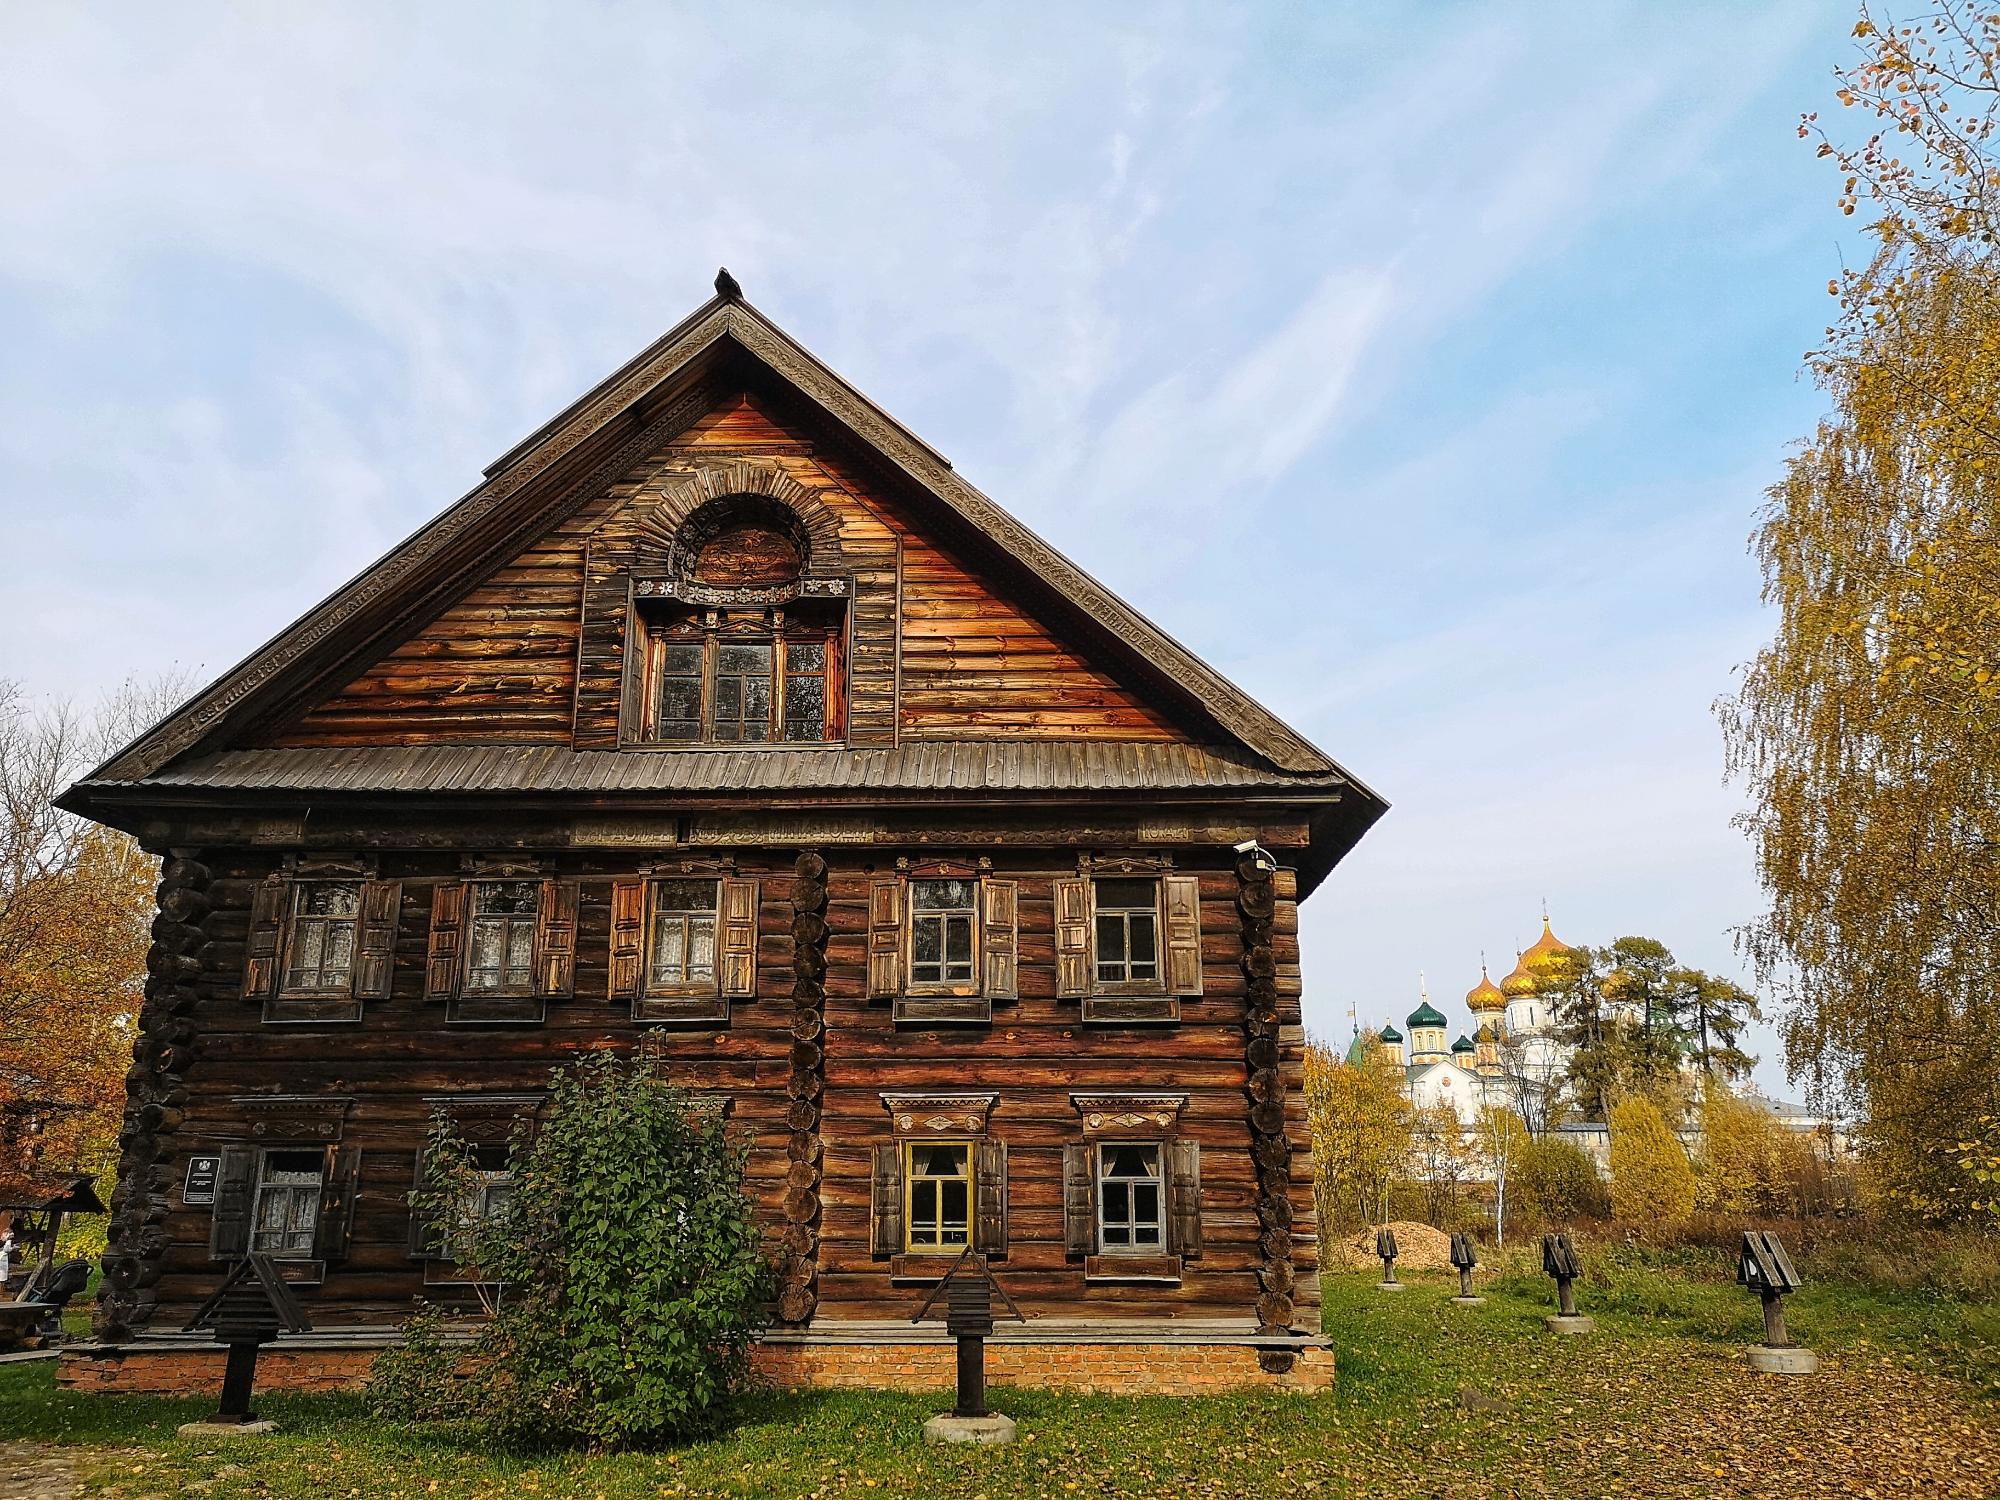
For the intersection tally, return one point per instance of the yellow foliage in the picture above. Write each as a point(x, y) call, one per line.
point(1652, 1181)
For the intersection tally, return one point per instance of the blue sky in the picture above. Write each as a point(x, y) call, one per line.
point(1420, 366)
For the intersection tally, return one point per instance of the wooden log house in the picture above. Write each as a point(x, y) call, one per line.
point(725, 714)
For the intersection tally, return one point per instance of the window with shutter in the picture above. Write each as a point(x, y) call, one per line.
point(885, 939)
point(1132, 1188)
point(555, 940)
point(684, 954)
point(335, 947)
point(1144, 946)
point(951, 946)
point(989, 1228)
point(268, 905)
point(235, 1186)
point(885, 1199)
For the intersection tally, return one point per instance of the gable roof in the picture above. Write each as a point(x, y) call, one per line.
point(597, 432)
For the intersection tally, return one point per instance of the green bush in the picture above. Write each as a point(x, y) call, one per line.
point(626, 1273)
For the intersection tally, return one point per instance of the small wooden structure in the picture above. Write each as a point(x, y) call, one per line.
point(968, 1289)
point(250, 1309)
point(1765, 1268)
point(1463, 1258)
point(38, 1211)
point(1385, 1248)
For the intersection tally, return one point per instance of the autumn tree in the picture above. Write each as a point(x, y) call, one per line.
point(1503, 1141)
point(1440, 1159)
point(1867, 732)
point(1749, 1163)
point(75, 906)
point(1652, 1181)
point(1360, 1124)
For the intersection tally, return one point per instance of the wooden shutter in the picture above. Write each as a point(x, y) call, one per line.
point(337, 1193)
point(443, 963)
point(555, 939)
point(229, 1230)
point(268, 905)
point(1079, 1211)
point(885, 1199)
point(628, 938)
point(423, 1239)
point(1002, 936)
point(375, 938)
point(737, 951)
point(989, 1189)
point(1181, 896)
point(885, 939)
point(1072, 938)
point(1184, 1198)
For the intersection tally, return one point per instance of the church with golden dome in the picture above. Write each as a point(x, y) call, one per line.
point(1511, 1056)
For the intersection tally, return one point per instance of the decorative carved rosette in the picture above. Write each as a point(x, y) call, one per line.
point(798, 1291)
point(155, 1098)
point(1270, 1144)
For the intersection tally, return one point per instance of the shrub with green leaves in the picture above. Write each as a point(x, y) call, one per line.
point(624, 1272)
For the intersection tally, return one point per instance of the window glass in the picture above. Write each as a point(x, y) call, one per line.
point(940, 1195)
point(680, 949)
point(677, 709)
point(740, 676)
point(805, 690)
point(743, 690)
point(285, 1216)
point(321, 953)
point(1131, 1207)
point(1128, 931)
point(502, 947)
point(942, 913)
point(492, 1185)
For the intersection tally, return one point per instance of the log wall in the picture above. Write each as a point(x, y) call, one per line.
point(1035, 1051)
point(534, 653)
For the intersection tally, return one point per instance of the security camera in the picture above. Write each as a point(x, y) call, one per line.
point(1259, 855)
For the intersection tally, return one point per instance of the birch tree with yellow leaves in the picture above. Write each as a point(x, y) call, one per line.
point(1867, 732)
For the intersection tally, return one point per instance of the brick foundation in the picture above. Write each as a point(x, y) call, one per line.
point(140, 1370)
point(1182, 1367)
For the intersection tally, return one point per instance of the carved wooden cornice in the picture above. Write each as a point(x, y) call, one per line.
point(939, 1114)
point(1126, 1110)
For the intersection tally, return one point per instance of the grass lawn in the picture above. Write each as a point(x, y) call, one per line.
point(1658, 1402)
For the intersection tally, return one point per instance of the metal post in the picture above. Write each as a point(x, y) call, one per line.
point(1774, 1320)
point(971, 1377)
point(239, 1376)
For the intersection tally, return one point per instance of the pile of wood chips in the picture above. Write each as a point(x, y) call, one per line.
point(1418, 1248)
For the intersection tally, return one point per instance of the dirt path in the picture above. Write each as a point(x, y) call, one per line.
point(32, 1471)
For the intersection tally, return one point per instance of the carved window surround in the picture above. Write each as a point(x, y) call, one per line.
point(939, 1114)
point(1088, 864)
point(293, 1117)
point(1126, 1114)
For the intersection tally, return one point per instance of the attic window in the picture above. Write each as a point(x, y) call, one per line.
point(743, 676)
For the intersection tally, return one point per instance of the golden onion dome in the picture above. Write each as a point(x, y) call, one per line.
point(1546, 951)
point(1485, 995)
point(1520, 982)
